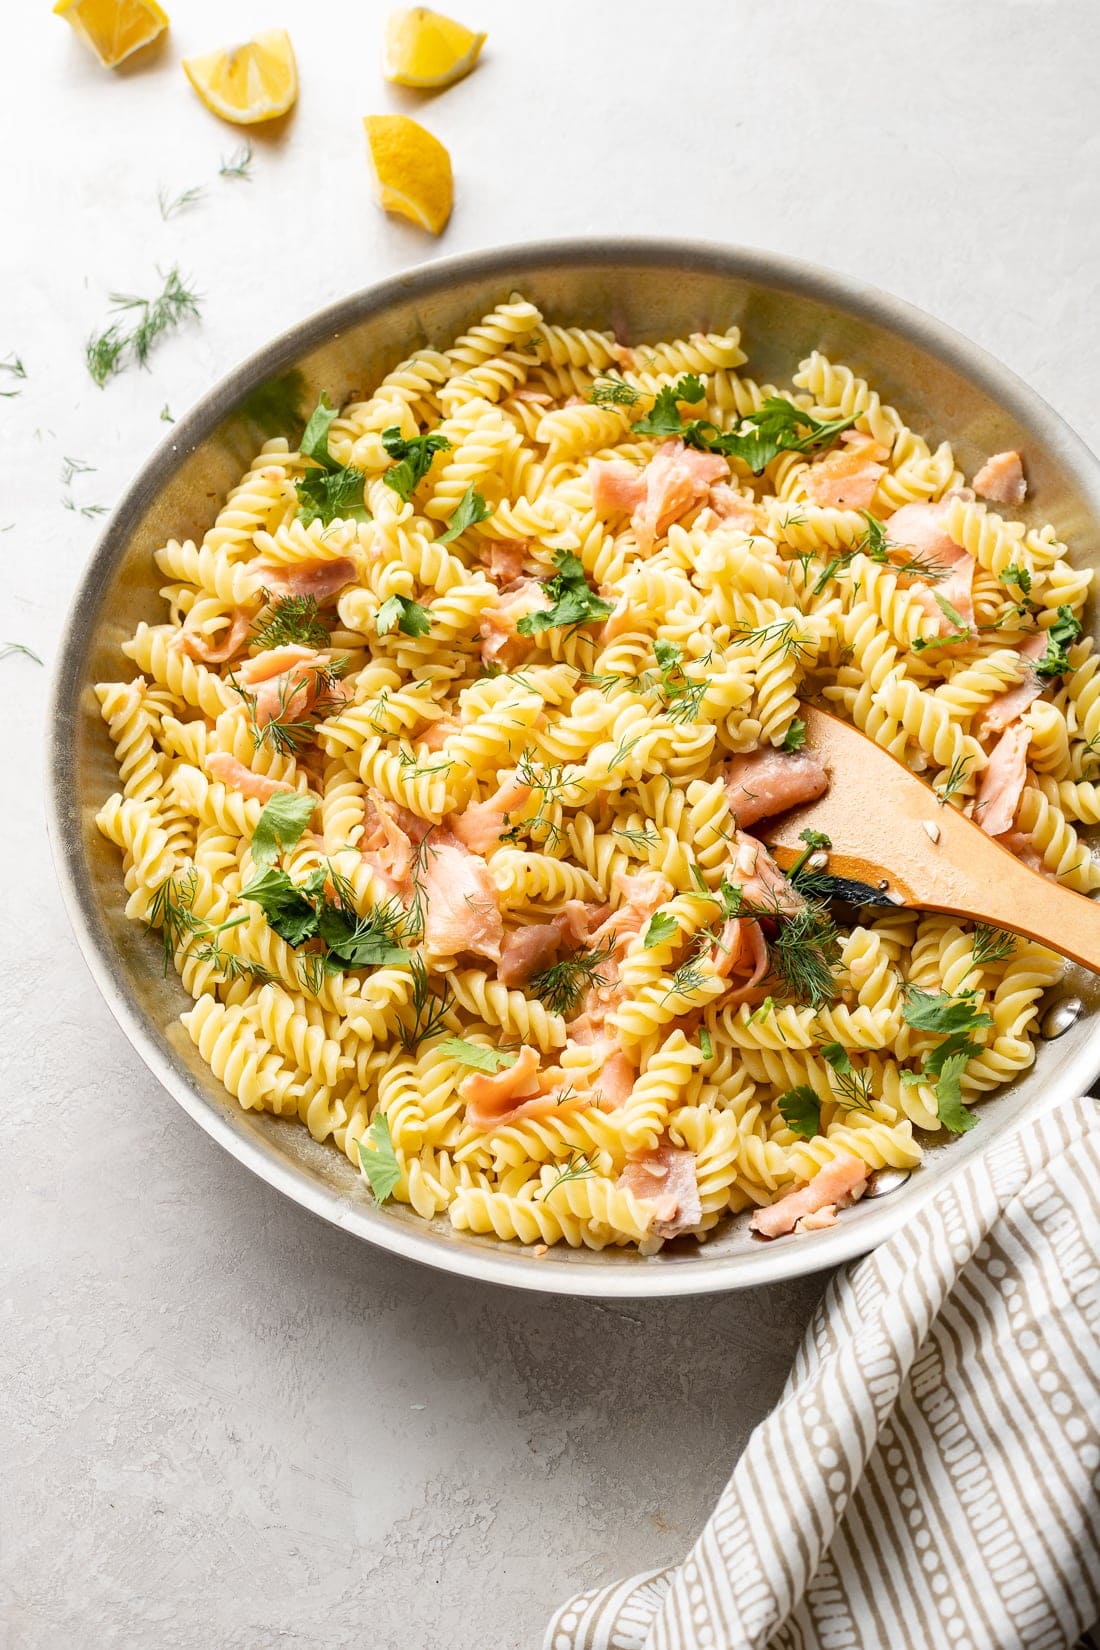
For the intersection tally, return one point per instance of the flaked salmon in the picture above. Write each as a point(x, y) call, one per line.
point(491, 1098)
point(848, 477)
point(535, 946)
point(385, 844)
point(657, 494)
point(284, 682)
point(319, 579)
point(1001, 479)
point(666, 1178)
point(767, 782)
point(501, 642)
point(1010, 705)
point(833, 1187)
point(480, 826)
point(208, 651)
point(462, 914)
point(1003, 780)
point(220, 765)
point(918, 528)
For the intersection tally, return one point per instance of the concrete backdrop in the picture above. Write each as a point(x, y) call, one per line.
point(227, 1426)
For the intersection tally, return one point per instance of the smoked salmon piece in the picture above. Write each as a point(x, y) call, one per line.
point(1010, 705)
point(480, 826)
point(1001, 479)
point(220, 765)
point(209, 652)
point(501, 642)
point(833, 1187)
point(767, 782)
point(537, 945)
point(847, 478)
point(385, 844)
point(491, 1098)
point(319, 579)
point(462, 914)
point(917, 527)
point(675, 479)
point(284, 682)
point(666, 1178)
point(1003, 780)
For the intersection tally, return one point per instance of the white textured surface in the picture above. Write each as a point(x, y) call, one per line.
point(229, 1427)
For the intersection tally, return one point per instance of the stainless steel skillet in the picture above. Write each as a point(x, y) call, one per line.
point(943, 385)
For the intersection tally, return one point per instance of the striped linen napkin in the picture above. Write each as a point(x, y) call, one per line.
point(929, 1477)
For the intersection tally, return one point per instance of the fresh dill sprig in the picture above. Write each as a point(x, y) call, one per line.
point(563, 984)
point(851, 1086)
point(608, 390)
point(689, 976)
point(416, 915)
point(991, 945)
point(165, 416)
point(288, 730)
point(577, 1167)
point(804, 950)
point(71, 467)
point(291, 619)
point(550, 783)
point(954, 779)
point(171, 909)
point(606, 683)
point(407, 760)
point(8, 648)
point(14, 367)
point(105, 354)
point(621, 752)
point(647, 837)
point(170, 205)
point(783, 634)
point(238, 164)
point(69, 503)
point(430, 1008)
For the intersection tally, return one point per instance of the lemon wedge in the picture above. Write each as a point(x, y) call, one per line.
point(423, 48)
point(249, 83)
point(412, 170)
point(114, 28)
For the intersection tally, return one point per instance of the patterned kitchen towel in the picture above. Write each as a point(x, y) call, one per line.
point(929, 1479)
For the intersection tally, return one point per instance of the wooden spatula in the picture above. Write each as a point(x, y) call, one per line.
point(890, 830)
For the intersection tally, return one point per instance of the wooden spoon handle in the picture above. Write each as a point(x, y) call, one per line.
point(891, 830)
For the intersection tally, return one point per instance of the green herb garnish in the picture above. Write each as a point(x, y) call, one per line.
point(1065, 630)
point(8, 648)
point(800, 1109)
point(609, 391)
point(757, 438)
point(171, 204)
point(378, 1158)
point(795, 737)
point(291, 620)
point(329, 491)
point(238, 165)
point(991, 945)
point(403, 614)
point(106, 353)
point(472, 508)
point(14, 367)
point(662, 927)
point(571, 597)
point(561, 986)
point(577, 1168)
point(280, 825)
point(852, 1088)
point(472, 1054)
point(413, 459)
